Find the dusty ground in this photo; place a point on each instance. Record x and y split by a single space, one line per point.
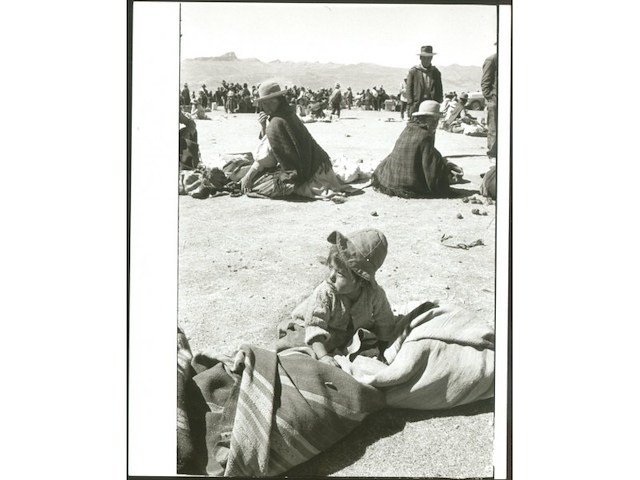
245 263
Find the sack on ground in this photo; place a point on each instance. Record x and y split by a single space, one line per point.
488 188
195 184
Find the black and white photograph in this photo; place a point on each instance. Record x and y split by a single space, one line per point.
348 271
337 231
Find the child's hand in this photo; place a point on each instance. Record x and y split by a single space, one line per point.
329 361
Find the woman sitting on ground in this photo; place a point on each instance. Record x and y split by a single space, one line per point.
415 168
197 110
292 161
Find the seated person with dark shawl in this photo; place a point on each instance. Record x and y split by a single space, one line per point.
291 161
415 168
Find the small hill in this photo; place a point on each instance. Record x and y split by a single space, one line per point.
212 70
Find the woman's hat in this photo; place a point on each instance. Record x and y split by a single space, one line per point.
428 107
269 89
427 51
363 251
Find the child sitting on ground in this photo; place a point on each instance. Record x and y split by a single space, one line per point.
349 299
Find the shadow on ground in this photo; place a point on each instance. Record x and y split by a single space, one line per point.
461 192
375 427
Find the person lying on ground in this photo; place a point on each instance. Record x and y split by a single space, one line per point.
415 168
296 164
347 300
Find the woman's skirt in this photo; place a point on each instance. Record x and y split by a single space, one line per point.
278 183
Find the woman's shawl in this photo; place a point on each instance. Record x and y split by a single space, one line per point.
415 168
443 358
260 413
294 147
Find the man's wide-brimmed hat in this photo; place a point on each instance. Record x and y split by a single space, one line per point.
464 96
428 107
427 51
269 89
363 251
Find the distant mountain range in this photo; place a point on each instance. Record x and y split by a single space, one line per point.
212 70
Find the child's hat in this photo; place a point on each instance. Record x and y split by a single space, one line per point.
363 251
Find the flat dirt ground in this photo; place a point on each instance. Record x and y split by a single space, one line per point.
244 263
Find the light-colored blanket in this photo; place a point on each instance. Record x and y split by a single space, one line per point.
443 358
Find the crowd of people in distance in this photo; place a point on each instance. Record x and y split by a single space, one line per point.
237 98
240 98
288 161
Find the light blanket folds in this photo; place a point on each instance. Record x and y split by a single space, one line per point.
443 358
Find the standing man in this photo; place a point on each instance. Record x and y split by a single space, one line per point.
185 95
335 100
203 96
490 91
424 81
382 97
403 99
375 98
348 96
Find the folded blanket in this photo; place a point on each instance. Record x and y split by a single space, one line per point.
259 413
443 358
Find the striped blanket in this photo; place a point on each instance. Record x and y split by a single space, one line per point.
259 413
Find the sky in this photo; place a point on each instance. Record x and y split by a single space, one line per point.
388 34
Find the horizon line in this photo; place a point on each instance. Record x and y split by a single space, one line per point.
311 62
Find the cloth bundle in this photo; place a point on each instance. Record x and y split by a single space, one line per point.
259 413
474 130
271 183
489 187
443 358
201 182
351 170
